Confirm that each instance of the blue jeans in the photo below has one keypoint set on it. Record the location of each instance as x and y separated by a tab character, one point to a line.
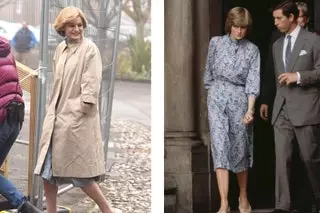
8	135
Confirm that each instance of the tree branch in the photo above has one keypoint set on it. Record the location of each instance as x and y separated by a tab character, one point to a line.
137	9
57	3
93	16
126	3
147	12
3	3
130	13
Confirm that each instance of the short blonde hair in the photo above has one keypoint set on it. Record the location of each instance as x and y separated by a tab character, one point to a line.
67	15
238	17
303	7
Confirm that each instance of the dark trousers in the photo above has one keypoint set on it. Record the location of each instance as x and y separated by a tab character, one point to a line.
8	134
307	139
9	131
301	191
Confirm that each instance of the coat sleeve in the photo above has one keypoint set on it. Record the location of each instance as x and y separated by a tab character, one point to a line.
91	76
253	78
33	40
310	77
208	78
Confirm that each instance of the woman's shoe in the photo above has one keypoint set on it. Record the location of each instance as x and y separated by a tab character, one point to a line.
224	211
248	210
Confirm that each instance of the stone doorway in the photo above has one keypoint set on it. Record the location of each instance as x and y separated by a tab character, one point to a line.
261	180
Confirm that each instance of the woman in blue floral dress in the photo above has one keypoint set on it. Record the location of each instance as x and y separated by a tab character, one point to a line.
232	80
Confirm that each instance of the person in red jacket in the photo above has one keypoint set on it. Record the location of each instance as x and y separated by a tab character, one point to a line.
11	119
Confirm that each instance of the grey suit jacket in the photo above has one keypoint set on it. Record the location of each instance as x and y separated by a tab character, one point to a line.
302	101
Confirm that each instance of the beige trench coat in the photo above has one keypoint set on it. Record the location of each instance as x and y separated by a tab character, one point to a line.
71	124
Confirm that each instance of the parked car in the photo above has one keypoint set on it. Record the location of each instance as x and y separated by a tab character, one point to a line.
8	29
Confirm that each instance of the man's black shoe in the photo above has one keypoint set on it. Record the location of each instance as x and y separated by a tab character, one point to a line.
303	211
29	208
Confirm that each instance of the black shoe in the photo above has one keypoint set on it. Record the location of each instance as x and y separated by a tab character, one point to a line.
5	205
29	208
279	211
317	207
303	211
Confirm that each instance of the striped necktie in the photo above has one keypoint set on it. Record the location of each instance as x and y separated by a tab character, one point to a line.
288	52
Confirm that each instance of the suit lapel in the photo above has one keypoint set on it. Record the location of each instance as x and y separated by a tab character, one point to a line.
279	55
298	45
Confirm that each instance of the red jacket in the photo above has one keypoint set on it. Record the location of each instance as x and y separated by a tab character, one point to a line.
10	88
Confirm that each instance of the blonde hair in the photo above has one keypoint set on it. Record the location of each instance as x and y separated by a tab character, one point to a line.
238	17
303	7
67	15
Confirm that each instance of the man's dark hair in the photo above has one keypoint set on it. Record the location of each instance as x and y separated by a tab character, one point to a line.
288	7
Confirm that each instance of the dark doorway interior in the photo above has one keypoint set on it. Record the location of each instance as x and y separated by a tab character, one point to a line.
261	182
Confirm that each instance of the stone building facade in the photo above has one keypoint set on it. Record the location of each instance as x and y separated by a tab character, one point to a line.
190	184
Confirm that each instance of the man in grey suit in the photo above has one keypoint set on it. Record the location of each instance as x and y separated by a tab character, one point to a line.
296	110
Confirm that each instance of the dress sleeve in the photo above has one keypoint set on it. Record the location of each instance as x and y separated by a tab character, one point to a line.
253	78
208	78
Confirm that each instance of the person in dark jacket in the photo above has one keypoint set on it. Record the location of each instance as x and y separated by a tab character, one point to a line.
11	119
23	41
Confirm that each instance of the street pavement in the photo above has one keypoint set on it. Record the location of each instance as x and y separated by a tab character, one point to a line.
129	136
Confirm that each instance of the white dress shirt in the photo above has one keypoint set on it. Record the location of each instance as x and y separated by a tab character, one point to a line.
294	35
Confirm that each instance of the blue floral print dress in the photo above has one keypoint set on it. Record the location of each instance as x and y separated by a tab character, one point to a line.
232	75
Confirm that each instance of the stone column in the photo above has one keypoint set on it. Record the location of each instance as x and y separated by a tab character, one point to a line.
188	28
179	102
208	23
179	116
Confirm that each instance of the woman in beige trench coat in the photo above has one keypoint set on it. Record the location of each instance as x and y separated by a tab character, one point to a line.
71	149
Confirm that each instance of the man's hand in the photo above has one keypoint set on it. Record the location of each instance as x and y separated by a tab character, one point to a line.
288	78
264	112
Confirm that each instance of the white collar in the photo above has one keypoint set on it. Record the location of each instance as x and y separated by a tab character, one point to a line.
295	32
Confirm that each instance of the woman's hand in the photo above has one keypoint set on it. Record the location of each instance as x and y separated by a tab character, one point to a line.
248	117
86	107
